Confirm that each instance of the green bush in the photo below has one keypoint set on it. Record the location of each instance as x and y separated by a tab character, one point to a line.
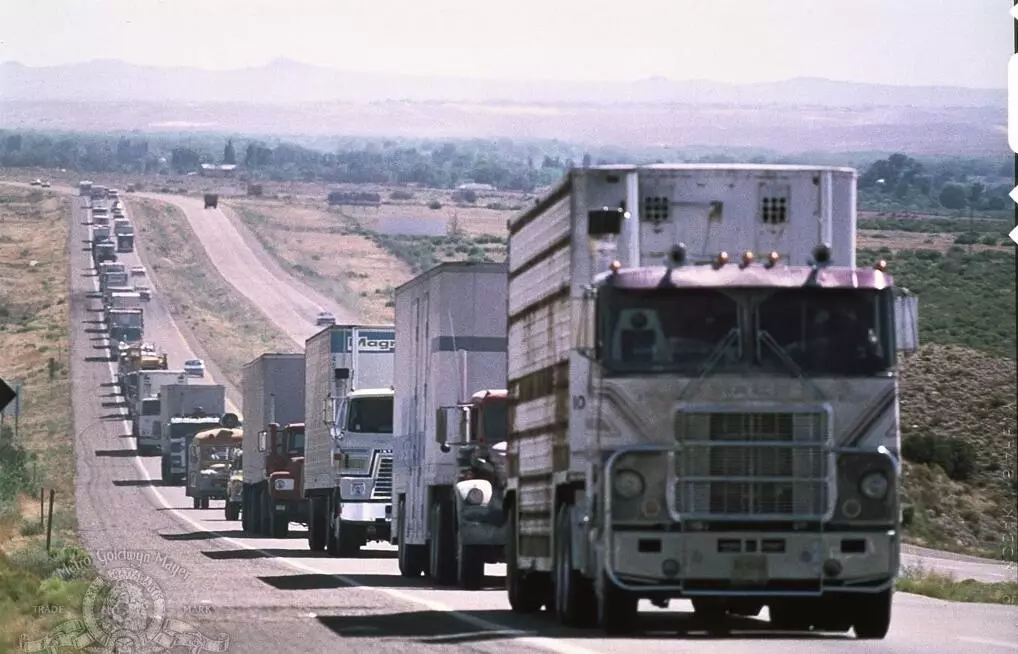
968	238
957	458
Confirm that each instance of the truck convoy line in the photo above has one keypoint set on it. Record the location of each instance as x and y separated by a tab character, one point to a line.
170	414
679	385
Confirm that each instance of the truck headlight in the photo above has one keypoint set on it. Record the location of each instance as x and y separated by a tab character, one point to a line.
283	484
874	485
474	496
628	484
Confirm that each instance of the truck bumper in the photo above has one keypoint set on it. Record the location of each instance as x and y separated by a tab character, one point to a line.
480	525
376	517
756	563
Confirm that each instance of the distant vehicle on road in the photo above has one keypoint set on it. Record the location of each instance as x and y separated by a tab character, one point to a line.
325	318
211	200
138	271
194	368
45	184
36	182
144	291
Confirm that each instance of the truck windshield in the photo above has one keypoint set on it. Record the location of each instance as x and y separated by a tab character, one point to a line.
667	330
496	417
370	415
827	331
295	443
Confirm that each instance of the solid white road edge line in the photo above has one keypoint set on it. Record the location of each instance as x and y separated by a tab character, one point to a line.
489	627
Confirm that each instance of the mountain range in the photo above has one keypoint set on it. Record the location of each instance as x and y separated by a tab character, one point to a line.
286	82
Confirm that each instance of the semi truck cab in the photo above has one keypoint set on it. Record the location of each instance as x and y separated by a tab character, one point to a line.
361	425
284	469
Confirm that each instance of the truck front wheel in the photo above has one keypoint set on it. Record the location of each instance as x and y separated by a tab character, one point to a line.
442	554
279	522
574	594
316	524
469	564
411	557
617	609
873	615
524	595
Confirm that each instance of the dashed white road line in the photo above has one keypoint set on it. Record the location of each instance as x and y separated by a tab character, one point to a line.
989	642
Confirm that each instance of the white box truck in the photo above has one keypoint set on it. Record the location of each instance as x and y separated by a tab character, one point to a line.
273	408
450	422
185	410
146	407
704	400
348	437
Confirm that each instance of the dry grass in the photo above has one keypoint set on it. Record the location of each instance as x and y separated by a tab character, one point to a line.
34	323
897	240
950	391
946	587
222	320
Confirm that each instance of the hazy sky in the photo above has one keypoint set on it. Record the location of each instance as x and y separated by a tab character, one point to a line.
955	42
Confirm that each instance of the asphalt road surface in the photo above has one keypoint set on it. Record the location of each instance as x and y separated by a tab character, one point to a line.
275	594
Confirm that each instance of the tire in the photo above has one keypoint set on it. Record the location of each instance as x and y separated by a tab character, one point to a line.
574	594
617	609
245	510
331	542
442	556
523	593
873	615
411	564
469	565
264	513
279	524
349	540
316	526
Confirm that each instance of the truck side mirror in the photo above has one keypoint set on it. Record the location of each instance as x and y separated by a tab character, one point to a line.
329	412
262	436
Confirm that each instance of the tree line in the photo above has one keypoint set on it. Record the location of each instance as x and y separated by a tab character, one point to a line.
898	182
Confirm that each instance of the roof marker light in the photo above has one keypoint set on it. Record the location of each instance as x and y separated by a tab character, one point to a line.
747	259
880	266
721	259
772	260
615	266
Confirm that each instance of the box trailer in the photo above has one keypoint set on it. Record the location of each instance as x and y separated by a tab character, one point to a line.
273	408
450	403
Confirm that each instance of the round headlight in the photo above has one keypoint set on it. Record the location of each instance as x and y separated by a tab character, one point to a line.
475	496
628	484
874	485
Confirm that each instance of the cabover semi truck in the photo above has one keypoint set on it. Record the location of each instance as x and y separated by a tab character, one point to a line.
704	400
185	410
273	408
348	437
450	405
146	407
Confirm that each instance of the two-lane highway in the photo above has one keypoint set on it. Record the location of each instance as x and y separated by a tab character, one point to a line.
275	594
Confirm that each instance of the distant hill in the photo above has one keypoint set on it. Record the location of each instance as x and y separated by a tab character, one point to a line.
284	81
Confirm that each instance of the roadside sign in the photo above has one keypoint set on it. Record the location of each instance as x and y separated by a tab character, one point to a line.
7	394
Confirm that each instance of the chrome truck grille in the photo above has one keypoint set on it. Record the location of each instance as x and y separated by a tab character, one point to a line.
382	489
753	465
